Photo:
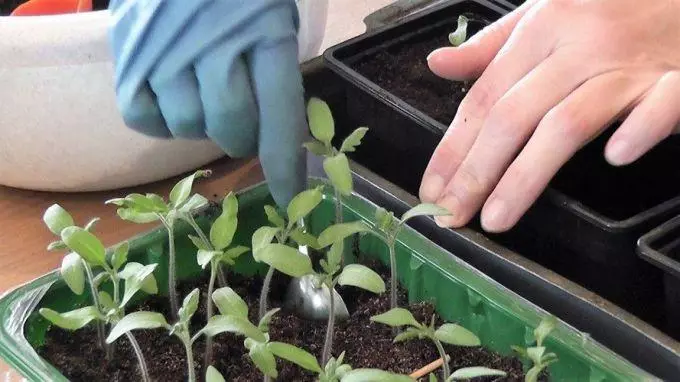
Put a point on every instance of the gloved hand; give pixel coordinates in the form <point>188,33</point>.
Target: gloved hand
<point>227,70</point>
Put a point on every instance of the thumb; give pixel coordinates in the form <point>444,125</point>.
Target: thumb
<point>471,58</point>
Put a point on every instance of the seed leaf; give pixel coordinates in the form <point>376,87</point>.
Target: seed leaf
<point>408,334</point>
<point>302,204</point>
<point>457,37</point>
<point>57,218</point>
<point>262,238</point>
<point>195,202</point>
<point>304,238</point>
<point>134,216</point>
<point>266,319</point>
<point>233,324</point>
<point>120,254</point>
<point>73,273</point>
<point>338,171</point>
<point>137,320</point>
<point>72,320</point>
<point>544,328</point>
<point>396,317</point>
<point>338,232</point>
<point>295,355</point>
<point>263,359</point>
<point>456,335</point>
<point>205,257</point>
<point>475,372</point>
<point>374,375</point>
<point>84,244</point>
<point>285,259</point>
<point>274,217</point>
<point>223,229</point>
<point>362,277</point>
<point>316,148</point>
<point>134,282</point>
<point>353,140</point>
<point>212,375</point>
<point>181,191</point>
<point>320,120</point>
<point>425,209</point>
<point>189,306</point>
<point>228,302</point>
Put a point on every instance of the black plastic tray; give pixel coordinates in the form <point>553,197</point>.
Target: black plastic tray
<point>579,227</point>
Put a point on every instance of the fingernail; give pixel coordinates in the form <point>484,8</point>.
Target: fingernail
<point>618,152</point>
<point>433,53</point>
<point>432,188</point>
<point>494,215</point>
<point>451,203</point>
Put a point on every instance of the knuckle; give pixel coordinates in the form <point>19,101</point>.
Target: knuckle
<point>567,122</point>
<point>469,184</point>
<point>479,99</point>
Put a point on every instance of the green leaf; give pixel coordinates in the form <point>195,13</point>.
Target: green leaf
<point>425,209</point>
<point>477,371</point>
<point>338,171</point>
<point>141,203</point>
<point>362,277</point>
<point>274,217</point>
<point>84,244</point>
<point>100,278</point>
<point>262,238</point>
<point>522,352</point>
<point>295,355</point>
<point>432,378</point>
<point>120,254</point>
<point>533,373</point>
<point>56,245</point>
<point>57,218</point>
<point>233,324</point>
<point>374,375</point>
<point>385,219</point>
<point>266,319</point>
<point>106,301</point>
<point>320,120</point>
<point>135,321</point>
<point>339,232</point>
<point>544,328</point>
<point>228,302</point>
<point>134,282</point>
<point>223,229</point>
<point>181,191</point>
<point>353,140</point>
<point>195,202</point>
<point>91,224</point>
<point>316,148</point>
<point>157,201</point>
<point>334,255</point>
<point>205,257</point>
<point>149,285</point>
<point>130,214</point>
<point>72,320</point>
<point>263,359</point>
<point>396,317</point>
<point>457,37</point>
<point>73,272</point>
<point>456,335</point>
<point>189,306</point>
<point>212,375</point>
<point>304,238</point>
<point>235,252</point>
<point>535,354</point>
<point>198,243</point>
<point>408,334</point>
<point>285,259</point>
<point>302,204</point>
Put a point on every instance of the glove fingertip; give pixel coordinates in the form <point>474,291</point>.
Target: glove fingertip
<point>142,114</point>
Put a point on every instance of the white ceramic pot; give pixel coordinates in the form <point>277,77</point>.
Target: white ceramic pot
<point>60,129</point>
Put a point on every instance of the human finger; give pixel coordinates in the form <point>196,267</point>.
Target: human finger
<point>179,102</point>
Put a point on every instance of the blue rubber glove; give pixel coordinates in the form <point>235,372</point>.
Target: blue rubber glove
<point>223,69</point>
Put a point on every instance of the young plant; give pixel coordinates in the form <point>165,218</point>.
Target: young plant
<point>451,334</point>
<point>537,354</point>
<point>262,351</point>
<point>387,229</point>
<point>279,255</point>
<point>216,252</point>
<point>458,37</point>
<point>335,164</point>
<point>148,208</point>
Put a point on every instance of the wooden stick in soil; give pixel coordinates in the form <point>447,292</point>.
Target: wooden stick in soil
<point>427,369</point>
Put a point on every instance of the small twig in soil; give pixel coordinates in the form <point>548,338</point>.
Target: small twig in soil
<point>430,367</point>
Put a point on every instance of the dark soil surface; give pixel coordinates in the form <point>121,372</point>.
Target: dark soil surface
<point>366,344</point>
<point>7,6</point>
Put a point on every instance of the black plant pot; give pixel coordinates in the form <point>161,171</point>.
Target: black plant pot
<point>584,226</point>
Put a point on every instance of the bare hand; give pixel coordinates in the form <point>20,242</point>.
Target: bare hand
<point>552,75</point>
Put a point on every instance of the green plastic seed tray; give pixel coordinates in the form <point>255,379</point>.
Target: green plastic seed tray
<point>460,292</point>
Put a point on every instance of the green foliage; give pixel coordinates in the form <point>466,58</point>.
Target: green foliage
<point>212,375</point>
<point>302,204</point>
<point>57,218</point>
<point>335,369</point>
<point>374,375</point>
<point>320,121</point>
<point>339,173</point>
<point>72,320</point>
<point>136,321</point>
<point>85,244</point>
<point>538,354</point>
<point>458,37</point>
<point>223,229</point>
<point>72,272</point>
<point>338,232</point>
<point>475,372</point>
